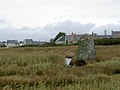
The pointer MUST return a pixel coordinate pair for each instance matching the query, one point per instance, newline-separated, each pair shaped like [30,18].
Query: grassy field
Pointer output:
[43,68]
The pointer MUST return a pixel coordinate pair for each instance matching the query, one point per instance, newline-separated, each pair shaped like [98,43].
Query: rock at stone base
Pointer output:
[86,49]
[77,63]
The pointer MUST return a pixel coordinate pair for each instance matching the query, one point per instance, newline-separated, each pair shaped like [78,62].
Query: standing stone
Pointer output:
[86,49]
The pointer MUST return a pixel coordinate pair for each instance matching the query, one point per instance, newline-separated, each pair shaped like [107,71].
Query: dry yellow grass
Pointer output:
[43,68]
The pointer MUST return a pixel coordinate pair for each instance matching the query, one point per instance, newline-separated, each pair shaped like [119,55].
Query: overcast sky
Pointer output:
[43,19]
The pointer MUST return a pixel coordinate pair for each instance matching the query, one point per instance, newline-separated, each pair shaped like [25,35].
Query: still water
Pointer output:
[67,61]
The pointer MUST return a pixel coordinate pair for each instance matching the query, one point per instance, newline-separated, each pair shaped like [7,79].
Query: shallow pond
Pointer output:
[67,61]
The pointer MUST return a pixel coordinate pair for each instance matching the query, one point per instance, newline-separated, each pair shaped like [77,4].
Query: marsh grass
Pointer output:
[43,68]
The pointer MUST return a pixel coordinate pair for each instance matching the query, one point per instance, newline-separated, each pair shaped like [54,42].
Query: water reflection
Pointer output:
[67,61]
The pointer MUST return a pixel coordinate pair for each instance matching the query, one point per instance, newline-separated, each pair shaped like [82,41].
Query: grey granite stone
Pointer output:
[86,49]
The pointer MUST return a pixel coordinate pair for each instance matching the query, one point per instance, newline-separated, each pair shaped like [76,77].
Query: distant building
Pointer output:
[27,42]
[104,36]
[68,39]
[101,36]
[73,38]
[12,43]
[116,34]
[31,42]
[3,44]
[38,43]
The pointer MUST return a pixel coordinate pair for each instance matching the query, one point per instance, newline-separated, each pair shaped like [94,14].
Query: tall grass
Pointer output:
[43,68]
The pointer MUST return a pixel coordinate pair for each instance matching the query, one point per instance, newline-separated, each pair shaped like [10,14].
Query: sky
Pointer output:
[43,19]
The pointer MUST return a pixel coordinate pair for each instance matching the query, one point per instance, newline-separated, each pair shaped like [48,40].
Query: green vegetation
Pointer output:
[3,45]
[43,68]
[107,41]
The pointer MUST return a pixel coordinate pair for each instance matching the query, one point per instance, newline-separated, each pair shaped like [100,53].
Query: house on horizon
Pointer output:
[38,43]
[32,42]
[28,42]
[73,38]
[68,39]
[12,43]
[3,44]
[116,34]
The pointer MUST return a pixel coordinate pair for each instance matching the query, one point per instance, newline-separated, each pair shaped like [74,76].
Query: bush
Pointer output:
[3,45]
[107,41]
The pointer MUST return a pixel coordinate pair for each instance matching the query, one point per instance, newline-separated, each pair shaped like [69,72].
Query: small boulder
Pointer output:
[77,63]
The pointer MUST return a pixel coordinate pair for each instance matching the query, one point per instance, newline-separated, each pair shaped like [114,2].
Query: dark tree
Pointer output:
[59,35]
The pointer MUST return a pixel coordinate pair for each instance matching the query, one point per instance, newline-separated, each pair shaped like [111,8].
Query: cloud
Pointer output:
[119,21]
[21,33]
[68,27]
[49,31]
[46,33]
[109,27]
[2,21]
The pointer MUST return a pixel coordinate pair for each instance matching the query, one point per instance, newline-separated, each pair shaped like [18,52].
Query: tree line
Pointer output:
[107,41]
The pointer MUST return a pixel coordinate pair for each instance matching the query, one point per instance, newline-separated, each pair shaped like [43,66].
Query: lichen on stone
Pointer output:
[86,50]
